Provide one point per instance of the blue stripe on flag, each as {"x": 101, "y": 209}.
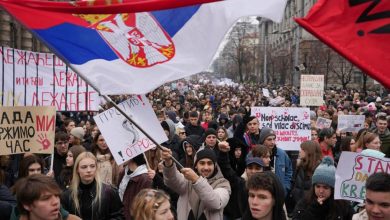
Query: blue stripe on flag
{"x": 78, "y": 44}
{"x": 173, "y": 20}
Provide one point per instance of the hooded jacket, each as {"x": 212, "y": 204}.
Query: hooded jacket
{"x": 205, "y": 199}
{"x": 195, "y": 141}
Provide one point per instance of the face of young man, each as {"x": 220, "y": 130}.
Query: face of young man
{"x": 194, "y": 121}
{"x": 211, "y": 140}
{"x": 378, "y": 205}
{"x": 46, "y": 207}
{"x": 270, "y": 142}
{"x": 331, "y": 141}
{"x": 381, "y": 125}
{"x": 62, "y": 147}
{"x": 261, "y": 203}
{"x": 205, "y": 167}
{"x": 253, "y": 126}
{"x": 252, "y": 169}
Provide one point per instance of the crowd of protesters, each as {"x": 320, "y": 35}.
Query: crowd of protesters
{"x": 230, "y": 167}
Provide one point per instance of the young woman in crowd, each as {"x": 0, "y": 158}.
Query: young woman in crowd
{"x": 319, "y": 203}
{"x": 190, "y": 146}
{"x": 151, "y": 204}
{"x": 29, "y": 165}
{"x": 69, "y": 124}
{"x": 67, "y": 171}
{"x": 108, "y": 169}
{"x": 222, "y": 134}
{"x": 88, "y": 197}
{"x": 368, "y": 140}
{"x": 153, "y": 157}
{"x": 309, "y": 159}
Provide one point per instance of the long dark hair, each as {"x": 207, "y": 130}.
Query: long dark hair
{"x": 26, "y": 162}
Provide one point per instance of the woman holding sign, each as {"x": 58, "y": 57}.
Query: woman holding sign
{"x": 319, "y": 203}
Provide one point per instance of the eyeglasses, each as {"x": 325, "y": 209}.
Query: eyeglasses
{"x": 62, "y": 142}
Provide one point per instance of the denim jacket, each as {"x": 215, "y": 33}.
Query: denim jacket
{"x": 283, "y": 169}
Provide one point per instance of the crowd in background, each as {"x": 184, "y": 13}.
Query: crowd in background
{"x": 229, "y": 167}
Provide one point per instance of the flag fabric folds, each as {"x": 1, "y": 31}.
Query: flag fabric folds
{"x": 359, "y": 30}
{"x": 134, "y": 53}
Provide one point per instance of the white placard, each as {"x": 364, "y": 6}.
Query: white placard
{"x": 122, "y": 137}
{"x": 352, "y": 172}
{"x": 265, "y": 92}
{"x": 323, "y": 123}
{"x": 350, "y": 123}
{"x": 291, "y": 125}
{"x": 42, "y": 79}
{"x": 312, "y": 90}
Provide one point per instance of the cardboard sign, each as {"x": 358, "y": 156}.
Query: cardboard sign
{"x": 323, "y": 123}
{"x": 27, "y": 130}
{"x": 312, "y": 90}
{"x": 42, "y": 79}
{"x": 291, "y": 125}
{"x": 350, "y": 123}
{"x": 352, "y": 172}
{"x": 122, "y": 137}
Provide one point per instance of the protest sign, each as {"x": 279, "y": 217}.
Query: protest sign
{"x": 291, "y": 125}
{"x": 27, "y": 130}
{"x": 42, "y": 79}
{"x": 265, "y": 92}
{"x": 312, "y": 90}
{"x": 352, "y": 172}
{"x": 122, "y": 137}
{"x": 350, "y": 123}
{"x": 323, "y": 123}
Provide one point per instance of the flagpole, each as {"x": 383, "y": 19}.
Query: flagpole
{"x": 104, "y": 96}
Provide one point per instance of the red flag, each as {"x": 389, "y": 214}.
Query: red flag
{"x": 359, "y": 30}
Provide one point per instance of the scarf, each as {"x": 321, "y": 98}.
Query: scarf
{"x": 126, "y": 178}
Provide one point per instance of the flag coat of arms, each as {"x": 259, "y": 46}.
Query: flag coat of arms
{"x": 134, "y": 53}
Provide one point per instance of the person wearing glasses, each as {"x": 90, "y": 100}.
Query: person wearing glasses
{"x": 61, "y": 144}
{"x": 150, "y": 204}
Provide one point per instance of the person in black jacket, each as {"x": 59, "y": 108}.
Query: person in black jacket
{"x": 87, "y": 196}
{"x": 7, "y": 201}
{"x": 319, "y": 203}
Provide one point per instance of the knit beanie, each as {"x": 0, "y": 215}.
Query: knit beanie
{"x": 325, "y": 173}
{"x": 205, "y": 153}
{"x": 78, "y": 132}
{"x": 264, "y": 133}
{"x": 210, "y": 131}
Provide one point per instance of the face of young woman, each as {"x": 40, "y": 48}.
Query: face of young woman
{"x": 164, "y": 211}
{"x": 69, "y": 159}
{"x": 322, "y": 191}
{"x": 374, "y": 144}
{"x": 302, "y": 154}
{"x": 34, "y": 168}
{"x": 266, "y": 159}
{"x": 87, "y": 170}
{"x": 237, "y": 152}
{"x": 189, "y": 150}
{"x": 221, "y": 134}
{"x": 261, "y": 203}
{"x": 101, "y": 143}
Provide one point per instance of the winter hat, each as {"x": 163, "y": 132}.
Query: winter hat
{"x": 371, "y": 106}
{"x": 264, "y": 133}
{"x": 223, "y": 116}
{"x": 325, "y": 173}
{"x": 210, "y": 131}
{"x": 165, "y": 126}
{"x": 256, "y": 160}
{"x": 78, "y": 132}
{"x": 172, "y": 115}
{"x": 205, "y": 153}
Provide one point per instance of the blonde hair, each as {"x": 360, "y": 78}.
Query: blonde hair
{"x": 74, "y": 186}
{"x": 146, "y": 203}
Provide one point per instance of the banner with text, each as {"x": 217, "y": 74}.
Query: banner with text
{"x": 312, "y": 90}
{"x": 350, "y": 123}
{"x": 352, "y": 172}
{"x": 42, "y": 79}
{"x": 291, "y": 125}
{"x": 122, "y": 137}
{"x": 27, "y": 130}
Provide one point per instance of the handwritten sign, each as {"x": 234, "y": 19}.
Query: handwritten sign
{"x": 350, "y": 123}
{"x": 291, "y": 125}
{"x": 323, "y": 123}
{"x": 27, "y": 130}
{"x": 312, "y": 90}
{"x": 42, "y": 79}
{"x": 122, "y": 137}
{"x": 352, "y": 172}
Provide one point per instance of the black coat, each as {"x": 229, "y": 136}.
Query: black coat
{"x": 7, "y": 201}
{"x": 111, "y": 207}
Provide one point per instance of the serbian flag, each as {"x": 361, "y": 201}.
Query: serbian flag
{"x": 359, "y": 30}
{"x": 124, "y": 50}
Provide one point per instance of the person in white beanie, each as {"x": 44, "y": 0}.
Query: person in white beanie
{"x": 319, "y": 203}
